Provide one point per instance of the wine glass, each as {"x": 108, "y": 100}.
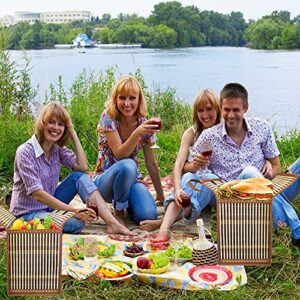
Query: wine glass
{"x": 206, "y": 150}
{"x": 155, "y": 121}
{"x": 176, "y": 243}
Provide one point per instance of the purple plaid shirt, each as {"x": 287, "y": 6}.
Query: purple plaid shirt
{"x": 228, "y": 159}
{"x": 33, "y": 172}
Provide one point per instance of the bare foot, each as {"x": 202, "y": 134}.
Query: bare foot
{"x": 150, "y": 225}
{"x": 118, "y": 228}
{"x": 119, "y": 215}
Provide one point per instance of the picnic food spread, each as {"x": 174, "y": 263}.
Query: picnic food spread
{"x": 247, "y": 189}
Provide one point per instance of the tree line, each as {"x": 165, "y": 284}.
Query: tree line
{"x": 169, "y": 25}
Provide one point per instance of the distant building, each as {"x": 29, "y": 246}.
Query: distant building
{"x": 82, "y": 40}
{"x": 47, "y": 17}
{"x": 66, "y": 16}
{"x": 7, "y": 21}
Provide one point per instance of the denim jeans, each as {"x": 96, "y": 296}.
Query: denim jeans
{"x": 75, "y": 183}
{"x": 119, "y": 185}
{"x": 199, "y": 199}
{"x": 281, "y": 208}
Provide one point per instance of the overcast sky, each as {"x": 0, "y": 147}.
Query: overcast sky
{"x": 253, "y": 9}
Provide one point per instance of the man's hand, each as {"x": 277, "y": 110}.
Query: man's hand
{"x": 199, "y": 162}
{"x": 267, "y": 170}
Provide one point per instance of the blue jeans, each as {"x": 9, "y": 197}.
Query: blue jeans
{"x": 281, "y": 208}
{"x": 199, "y": 199}
{"x": 75, "y": 183}
{"x": 119, "y": 185}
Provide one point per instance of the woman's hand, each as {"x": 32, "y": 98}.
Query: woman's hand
{"x": 86, "y": 214}
{"x": 199, "y": 162}
{"x": 178, "y": 193}
{"x": 267, "y": 169}
{"x": 146, "y": 128}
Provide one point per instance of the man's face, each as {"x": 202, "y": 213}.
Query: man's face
{"x": 233, "y": 111}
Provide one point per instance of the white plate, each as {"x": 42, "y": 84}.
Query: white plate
{"x": 180, "y": 260}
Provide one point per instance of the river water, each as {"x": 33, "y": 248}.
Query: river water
{"x": 271, "y": 77}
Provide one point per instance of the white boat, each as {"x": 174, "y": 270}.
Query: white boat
{"x": 63, "y": 46}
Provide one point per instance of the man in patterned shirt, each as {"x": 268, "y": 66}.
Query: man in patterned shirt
{"x": 240, "y": 148}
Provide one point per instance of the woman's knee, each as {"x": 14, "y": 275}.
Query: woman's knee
{"x": 73, "y": 225}
{"x": 250, "y": 172}
{"x": 75, "y": 176}
{"x": 128, "y": 167}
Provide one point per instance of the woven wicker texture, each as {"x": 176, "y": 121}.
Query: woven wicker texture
{"x": 34, "y": 262}
{"x": 205, "y": 257}
{"x": 6, "y": 217}
{"x": 59, "y": 217}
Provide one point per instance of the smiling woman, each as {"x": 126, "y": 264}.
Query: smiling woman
{"x": 36, "y": 175}
{"x": 123, "y": 130}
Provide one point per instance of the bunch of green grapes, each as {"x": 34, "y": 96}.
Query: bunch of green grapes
{"x": 170, "y": 252}
{"x": 184, "y": 252}
{"x": 159, "y": 260}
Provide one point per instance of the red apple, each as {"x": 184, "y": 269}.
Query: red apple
{"x": 142, "y": 263}
{"x": 150, "y": 262}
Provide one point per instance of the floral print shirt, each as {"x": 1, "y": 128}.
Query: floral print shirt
{"x": 106, "y": 157}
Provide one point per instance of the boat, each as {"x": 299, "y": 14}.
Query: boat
{"x": 64, "y": 46}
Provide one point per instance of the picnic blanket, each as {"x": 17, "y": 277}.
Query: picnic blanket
{"x": 166, "y": 182}
{"x": 176, "y": 276}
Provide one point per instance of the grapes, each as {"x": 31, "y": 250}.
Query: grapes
{"x": 159, "y": 260}
{"x": 134, "y": 248}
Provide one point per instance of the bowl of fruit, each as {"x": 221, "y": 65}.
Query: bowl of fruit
{"x": 153, "y": 263}
{"x": 159, "y": 240}
{"x": 133, "y": 250}
{"x": 182, "y": 255}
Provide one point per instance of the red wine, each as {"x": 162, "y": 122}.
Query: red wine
{"x": 2, "y": 228}
{"x": 156, "y": 121}
{"x": 207, "y": 153}
{"x": 185, "y": 200}
{"x": 94, "y": 208}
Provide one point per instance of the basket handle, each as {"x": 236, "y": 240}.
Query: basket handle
{"x": 59, "y": 217}
{"x": 6, "y": 217}
{"x": 214, "y": 182}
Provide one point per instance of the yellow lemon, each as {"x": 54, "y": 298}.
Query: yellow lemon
{"x": 17, "y": 224}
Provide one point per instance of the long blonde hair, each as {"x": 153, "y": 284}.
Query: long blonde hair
{"x": 204, "y": 97}
{"x": 126, "y": 84}
{"x": 50, "y": 111}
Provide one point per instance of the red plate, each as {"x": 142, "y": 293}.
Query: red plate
{"x": 213, "y": 275}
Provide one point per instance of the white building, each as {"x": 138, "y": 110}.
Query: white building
{"x": 7, "y": 21}
{"x": 26, "y": 16}
{"x": 47, "y": 17}
{"x": 66, "y": 16}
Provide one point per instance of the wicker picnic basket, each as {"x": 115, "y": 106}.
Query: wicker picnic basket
{"x": 244, "y": 227}
{"x": 34, "y": 257}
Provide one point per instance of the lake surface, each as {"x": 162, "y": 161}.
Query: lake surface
{"x": 271, "y": 77}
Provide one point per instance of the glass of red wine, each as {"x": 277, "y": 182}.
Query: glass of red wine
{"x": 206, "y": 151}
{"x": 156, "y": 121}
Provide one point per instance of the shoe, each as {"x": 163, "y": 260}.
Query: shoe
{"x": 296, "y": 243}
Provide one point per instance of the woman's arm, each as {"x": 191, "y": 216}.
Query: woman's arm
{"x": 81, "y": 163}
{"x": 124, "y": 150}
{"x": 49, "y": 200}
{"x": 153, "y": 170}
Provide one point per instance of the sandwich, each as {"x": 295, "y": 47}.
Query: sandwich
{"x": 224, "y": 189}
{"x": 260, "y": 180}
{"x": 249, "y": 190}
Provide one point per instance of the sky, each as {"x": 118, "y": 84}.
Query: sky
{"x": 252, "y": 9}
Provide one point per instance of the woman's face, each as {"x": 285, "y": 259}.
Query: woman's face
{"x": 128, "y": 103}
{"x": 207, "y": 115}
{"x": 54, "y": 130}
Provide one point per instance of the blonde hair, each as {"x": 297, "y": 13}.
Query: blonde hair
{"x": 53, "y": 110}
{"x": 205, "y": 97}
{"x": 126, "y": 84}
